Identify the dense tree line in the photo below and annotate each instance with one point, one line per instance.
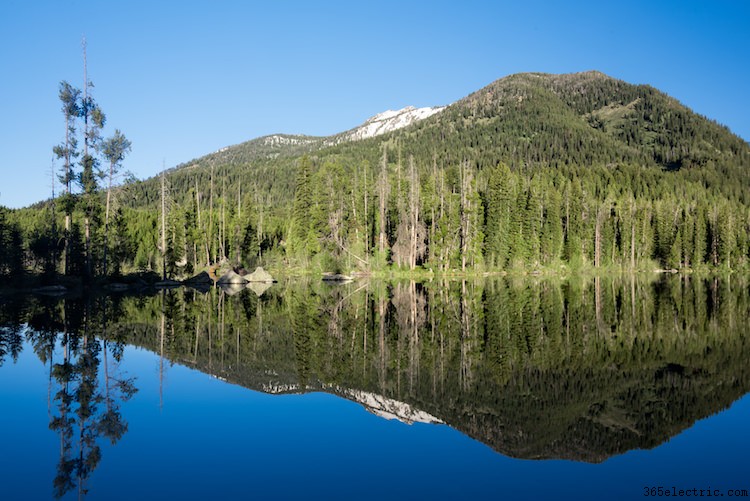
(11, 245)
(70, 234)
(534, 171)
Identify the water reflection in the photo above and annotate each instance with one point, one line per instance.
(580, 369)
(86, 389)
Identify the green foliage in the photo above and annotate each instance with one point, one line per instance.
(532, 171)
(11, 249)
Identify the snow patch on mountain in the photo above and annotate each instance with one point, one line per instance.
(387, 407)
(389, 121)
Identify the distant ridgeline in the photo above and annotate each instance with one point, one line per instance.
(582, 369)
(532, 171)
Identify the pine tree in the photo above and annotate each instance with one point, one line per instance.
(552, 231)
(383, 194)
(93, 121)
(114, 150)
(67, 151)
(498, 216)
(727, 236)
(301, 223)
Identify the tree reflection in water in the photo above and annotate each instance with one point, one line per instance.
(580, 369)
(83, 406)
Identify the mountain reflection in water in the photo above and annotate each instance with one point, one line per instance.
(579, 369)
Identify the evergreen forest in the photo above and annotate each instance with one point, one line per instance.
(534, 173)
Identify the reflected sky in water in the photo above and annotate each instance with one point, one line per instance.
(213, 440)
(191, 435)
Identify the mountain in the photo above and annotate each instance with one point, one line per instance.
(534, 170)
(526, 120)
(388, 121)
(509, 176)
(280, 145)
(265, 147)
(591, 117)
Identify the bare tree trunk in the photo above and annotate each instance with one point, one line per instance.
(106, 216)
(632, 238)
(211, 215)
(200, 224)
(260, 227)
(465, 209)
(383, 200)
(413, 214)
(163, 228)
(598, 303)
(367, 233)
(87, 231)
(445, 260)
(598, 238)
(86, 219)
(161, 353)
(197, 338)
(465, 374)
(223, 228)
(239, 224)
(66, 250)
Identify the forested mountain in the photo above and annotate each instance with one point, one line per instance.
(532, 171)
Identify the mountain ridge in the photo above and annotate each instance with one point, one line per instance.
(589, 111)
(506, 177)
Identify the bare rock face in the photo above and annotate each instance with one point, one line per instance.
(259, 275)
(390, 120)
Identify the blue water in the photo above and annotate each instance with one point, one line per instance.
(192, 436)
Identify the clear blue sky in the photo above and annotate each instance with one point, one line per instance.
(182, 79)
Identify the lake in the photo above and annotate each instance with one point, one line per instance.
(584, 388)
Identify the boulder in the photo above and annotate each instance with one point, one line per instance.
(231, 277)
(231, 288)
(200, 278)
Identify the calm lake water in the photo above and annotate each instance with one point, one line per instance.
(496, 389)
